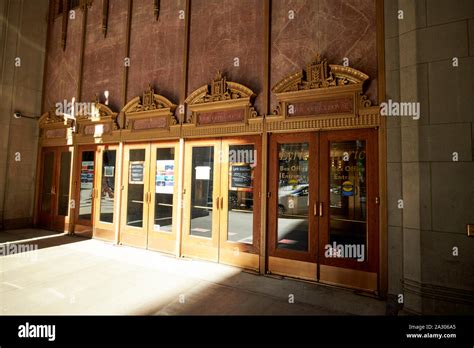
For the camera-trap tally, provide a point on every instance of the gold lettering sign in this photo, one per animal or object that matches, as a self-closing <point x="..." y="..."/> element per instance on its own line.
<point x="231" y="116"/>
<point x="322" y="107"/>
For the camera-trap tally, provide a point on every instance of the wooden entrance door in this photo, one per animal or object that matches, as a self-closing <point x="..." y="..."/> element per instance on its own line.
<point x="222" y="201"/>
<point x="54" y="187"/>
<point x="293" y="187"/>
<point x="349" y="214"/>
<point x="323" y="210"/>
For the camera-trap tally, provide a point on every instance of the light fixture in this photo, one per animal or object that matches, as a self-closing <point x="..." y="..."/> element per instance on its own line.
<point x="18" y="114"/>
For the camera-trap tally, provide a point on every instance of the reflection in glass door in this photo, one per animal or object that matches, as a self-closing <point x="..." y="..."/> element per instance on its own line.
<point x="86" y="189"/>
<point x="46" y="189"/>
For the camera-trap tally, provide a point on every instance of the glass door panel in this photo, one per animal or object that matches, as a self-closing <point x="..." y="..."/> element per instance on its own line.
<point x="240" y="192"/>
<point x="86" y="186"/>
<point x="293" y="196"/>
<point x="107" y="186"/>
<point x="202" y="189"/>
<point x="64" y="183"/>
<point x="47" y="182"/>
<point x="348" y="195"/>
<point x="162" y="216"/>
<point x="164" y="186"/>
<point x="349" y="189"/>
<point x="200" y="237"/>
<point x="136" y="188"/>
<point x="136" y="195"/>
<point x="239" y="207"/>
<point x="292" y="210"/>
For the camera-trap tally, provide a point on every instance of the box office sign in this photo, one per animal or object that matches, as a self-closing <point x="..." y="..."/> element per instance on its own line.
<point x="218" y="117"/>
<point x="136" y="172"/>
<point x="322" y="107"/>
<point x="240" y="176"/>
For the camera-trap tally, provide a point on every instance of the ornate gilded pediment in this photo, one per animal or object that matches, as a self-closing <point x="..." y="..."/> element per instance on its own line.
<point x="221" y="96"/>
<point x="96" y="112"/>
<point x="219" y="90"/>
<point x="320" y="74"/>
<point x="321" y="89"/>
<point x="52" y="118"/>
<point x="149" y="111"/>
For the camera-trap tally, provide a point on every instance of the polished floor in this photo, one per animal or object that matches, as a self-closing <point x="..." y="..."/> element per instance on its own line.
<point x="63" y="274"/>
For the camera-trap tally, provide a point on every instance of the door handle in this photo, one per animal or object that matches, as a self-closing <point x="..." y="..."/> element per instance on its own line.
<point x="320" y="209"/>
<point x="222" y="202"/>
<point x="53" y="190"/>
<point x="315" y="209"/>
<point x="217" y="203"/>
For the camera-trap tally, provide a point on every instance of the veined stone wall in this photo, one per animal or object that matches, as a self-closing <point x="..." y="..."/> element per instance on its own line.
<point x="430" y="60"/>
<point x="23" y="27"/>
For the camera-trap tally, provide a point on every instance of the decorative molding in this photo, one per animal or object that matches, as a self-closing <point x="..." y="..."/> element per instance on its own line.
<point x="99" y="123"/>
<point x="149" y="112"/>
<point x="317" y="91"/>
<point x="368" y="118"/>
<point x="156" y="8"/>
<point x="105" y="16"/>
<point x="319" y="74"/>
<point x="217" y="98"/>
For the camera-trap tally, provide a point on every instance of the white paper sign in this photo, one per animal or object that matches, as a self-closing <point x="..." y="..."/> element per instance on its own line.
<point x="203" y="173"/>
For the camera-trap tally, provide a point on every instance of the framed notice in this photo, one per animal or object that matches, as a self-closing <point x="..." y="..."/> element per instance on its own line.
<point x="109" y="171"/>
<point x="241" y="177"/>
<point x="164" y="179"/>
<point x="136" y="172"/>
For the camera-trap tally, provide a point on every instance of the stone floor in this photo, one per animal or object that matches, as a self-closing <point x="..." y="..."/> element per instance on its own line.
<point x="72" y="275"/>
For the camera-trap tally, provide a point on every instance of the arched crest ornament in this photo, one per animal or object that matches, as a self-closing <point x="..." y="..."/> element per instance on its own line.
<point x="150" y="115"/>
<point x="323" y="95"/>
<point x="55" y="129"/>
<point x="96" y="122"/>
<point x="224" y="106"/>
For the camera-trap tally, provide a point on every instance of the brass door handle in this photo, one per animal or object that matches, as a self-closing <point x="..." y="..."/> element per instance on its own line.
<point x="320" y="209"/>
<point x="315" y="210"/>
<point x="217" y="203"/>
<point x="222" y="202"/>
